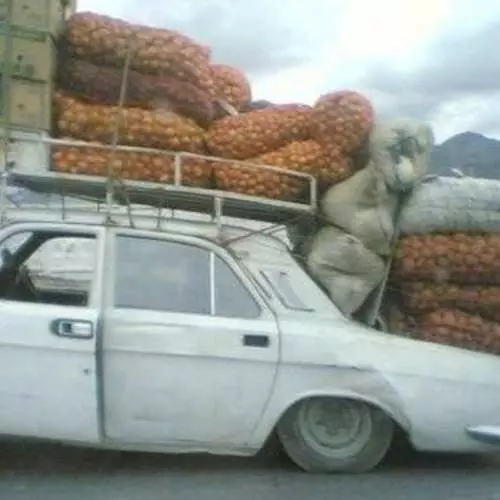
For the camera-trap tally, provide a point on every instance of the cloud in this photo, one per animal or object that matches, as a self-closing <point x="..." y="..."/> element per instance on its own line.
<point x="456" y="66"/>
<point x="268" y="37"/>
<point x="259" y="36"/>
<point x="475" y="113"/>
<point x="457" y="81"/>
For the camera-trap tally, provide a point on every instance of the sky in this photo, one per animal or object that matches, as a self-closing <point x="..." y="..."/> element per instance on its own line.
<point x="435" y="60"/>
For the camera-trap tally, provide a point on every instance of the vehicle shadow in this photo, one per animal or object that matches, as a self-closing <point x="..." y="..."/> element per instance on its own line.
<point x="46" y="458"/>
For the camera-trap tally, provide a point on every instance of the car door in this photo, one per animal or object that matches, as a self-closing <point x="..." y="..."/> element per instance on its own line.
<point x="48" y="320"/>
<point x="190" y="351"/>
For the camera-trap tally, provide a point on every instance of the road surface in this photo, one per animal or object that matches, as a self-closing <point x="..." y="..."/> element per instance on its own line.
<point x="47" y="472"/>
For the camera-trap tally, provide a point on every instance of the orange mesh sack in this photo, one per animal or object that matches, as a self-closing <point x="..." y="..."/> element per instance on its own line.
<point x="270" y="184"/>
<point x="129" y="165"/>
<point x="231" y="85"/>
<point x="459" y="329"/>
<point x="335" y="167"/>
<point x="158" y="51"/>
<point x="302" y="156"/>
<point x="258" y="132"/>
<point x="460" y="258"/>
<point x="102" y="85"/>
<point x="342" y="120"/>
<point x="422" y="296"/>
<point x="138" y="127"/>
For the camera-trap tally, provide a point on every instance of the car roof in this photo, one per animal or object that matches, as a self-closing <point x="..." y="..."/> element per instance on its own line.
<point x="242" y="236"/>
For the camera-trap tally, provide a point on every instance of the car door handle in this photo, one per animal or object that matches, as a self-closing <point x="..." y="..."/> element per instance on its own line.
<point x="70" y="328"/>
<point x="256" y="340"/>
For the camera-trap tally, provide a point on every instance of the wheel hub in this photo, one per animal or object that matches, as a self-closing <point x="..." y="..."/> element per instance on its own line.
<point x="335" y="427"/>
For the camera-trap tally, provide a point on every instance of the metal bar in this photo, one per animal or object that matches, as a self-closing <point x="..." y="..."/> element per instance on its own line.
<point x="212" y="283"/>
<point x="314" y="192"/>
<point x="158" y="219"/>
<point x="177" y="170"/>
<point x="63" y="206"/>
<point x="6" y="109"/>
<point x="127" y="200"/>
<point x="218" y="205"/>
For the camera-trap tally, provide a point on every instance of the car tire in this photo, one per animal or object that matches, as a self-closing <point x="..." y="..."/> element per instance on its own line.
<point x="335" y="435"/>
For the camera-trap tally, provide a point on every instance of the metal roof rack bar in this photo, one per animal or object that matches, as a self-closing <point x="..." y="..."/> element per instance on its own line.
<point x="173" y="195"/>
<point x="174" y="154"/>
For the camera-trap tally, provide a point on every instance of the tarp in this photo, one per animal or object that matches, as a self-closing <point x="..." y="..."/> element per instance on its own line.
<point x="448" y="204"/>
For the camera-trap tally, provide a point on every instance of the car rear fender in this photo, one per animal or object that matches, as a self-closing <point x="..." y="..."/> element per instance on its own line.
<point x="365" y="385"/>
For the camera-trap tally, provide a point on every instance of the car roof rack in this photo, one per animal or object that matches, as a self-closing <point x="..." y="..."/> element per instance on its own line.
<point x="175" y="195"/>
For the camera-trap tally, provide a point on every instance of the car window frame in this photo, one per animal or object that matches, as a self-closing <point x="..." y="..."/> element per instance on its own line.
<point x="271" y="276"/>
<point x="33" y="272"/>
<point x="237" y="273"/>
<point x="98" y="233"/>
<point x="199" y="242"/>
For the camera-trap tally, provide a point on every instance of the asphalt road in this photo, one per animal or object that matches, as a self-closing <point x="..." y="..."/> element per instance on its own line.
<point x="47" y="472"/>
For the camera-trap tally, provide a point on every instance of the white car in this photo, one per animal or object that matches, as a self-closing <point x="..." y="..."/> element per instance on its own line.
<point x="190" y="337"/>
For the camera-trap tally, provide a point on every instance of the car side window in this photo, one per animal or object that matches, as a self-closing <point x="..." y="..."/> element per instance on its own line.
<point x="47" y="268"/>
<point x="161" y="275"/>
<point x="177" y="277"/>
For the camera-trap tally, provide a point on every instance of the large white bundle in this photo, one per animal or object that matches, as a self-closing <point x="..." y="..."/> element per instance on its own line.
<point x="346" y="255"/>
<point x="449" y="204"/>
<point x="365" y="205"/>
<point x="400" y="150"/>
<point x="345" y="267"/>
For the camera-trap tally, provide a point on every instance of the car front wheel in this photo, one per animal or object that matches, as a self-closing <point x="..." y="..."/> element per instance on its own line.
<point x="335" y="435"/>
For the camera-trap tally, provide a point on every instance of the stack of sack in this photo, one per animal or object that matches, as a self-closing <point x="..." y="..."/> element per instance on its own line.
<point x="324" y="141"/>
<point x="349" y="252"/>
<point x="446" y="274"/>
<point x="171" y="95"/>
<point x="176" y="99"/>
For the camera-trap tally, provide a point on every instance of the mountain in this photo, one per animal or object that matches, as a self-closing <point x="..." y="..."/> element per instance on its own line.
<point x="472" y="153"/>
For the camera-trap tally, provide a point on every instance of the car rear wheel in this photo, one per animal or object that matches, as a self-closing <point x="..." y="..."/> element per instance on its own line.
<point x="335" y="435"/>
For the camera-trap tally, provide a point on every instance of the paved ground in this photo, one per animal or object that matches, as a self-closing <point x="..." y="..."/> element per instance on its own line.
<point x="45" y="472"/>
